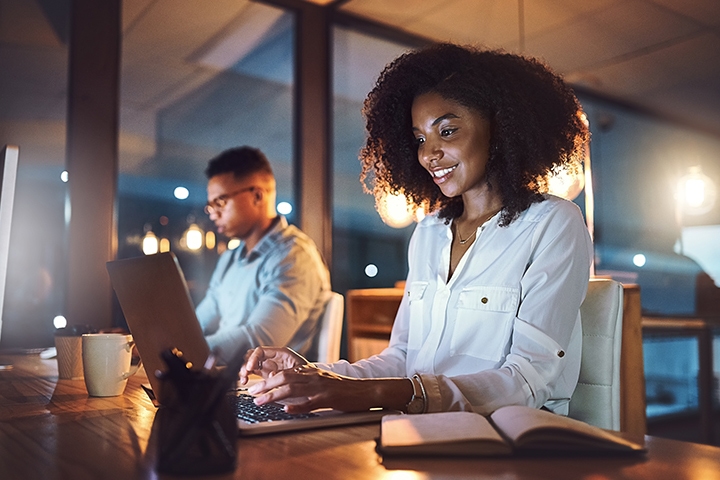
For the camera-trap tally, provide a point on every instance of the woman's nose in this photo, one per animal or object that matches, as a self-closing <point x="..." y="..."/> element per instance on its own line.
<point x="430" y="154"/>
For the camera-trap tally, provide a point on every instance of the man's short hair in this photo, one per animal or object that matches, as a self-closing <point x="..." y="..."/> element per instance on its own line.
<point x="240" y="161"/>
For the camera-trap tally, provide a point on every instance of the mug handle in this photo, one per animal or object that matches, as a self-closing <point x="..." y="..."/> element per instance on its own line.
<point x="133" y="368"/>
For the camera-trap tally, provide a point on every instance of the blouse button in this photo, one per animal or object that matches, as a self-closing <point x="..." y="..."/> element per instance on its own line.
<point x="560" y="353"/>
<point x="484" y="300"/>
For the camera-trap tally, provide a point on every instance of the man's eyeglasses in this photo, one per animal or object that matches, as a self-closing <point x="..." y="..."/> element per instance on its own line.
<point x="217" y="204"/>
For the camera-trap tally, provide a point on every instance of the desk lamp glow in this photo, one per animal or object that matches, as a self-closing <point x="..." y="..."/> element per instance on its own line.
<point x="695" y="195"/>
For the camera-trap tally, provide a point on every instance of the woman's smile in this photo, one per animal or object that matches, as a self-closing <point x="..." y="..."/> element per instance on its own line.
<point x="441" y="175"/>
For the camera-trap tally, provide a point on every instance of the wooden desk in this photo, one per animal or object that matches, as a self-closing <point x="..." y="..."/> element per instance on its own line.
<point x="52" y="429"/>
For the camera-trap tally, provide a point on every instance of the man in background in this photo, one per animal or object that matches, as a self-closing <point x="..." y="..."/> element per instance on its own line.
<point x="272" y="289"/>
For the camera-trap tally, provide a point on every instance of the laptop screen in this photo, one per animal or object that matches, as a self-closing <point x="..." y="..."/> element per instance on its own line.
<point x="155" y="300"/>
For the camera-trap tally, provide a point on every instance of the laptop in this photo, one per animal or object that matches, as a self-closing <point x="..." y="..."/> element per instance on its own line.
<point x="155" y="300"/>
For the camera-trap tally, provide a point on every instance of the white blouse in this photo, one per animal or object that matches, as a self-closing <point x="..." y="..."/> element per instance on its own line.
<point x="505" y="330"/>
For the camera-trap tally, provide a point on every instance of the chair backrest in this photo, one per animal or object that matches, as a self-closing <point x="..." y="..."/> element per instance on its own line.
<point x="596" y="399"/>
<point x="331" y="329"/>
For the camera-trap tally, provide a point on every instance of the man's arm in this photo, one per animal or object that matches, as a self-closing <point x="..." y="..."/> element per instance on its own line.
<point x="290" y="285"/>
<point x="208" y="310"/>
<point x="208" y="314"/>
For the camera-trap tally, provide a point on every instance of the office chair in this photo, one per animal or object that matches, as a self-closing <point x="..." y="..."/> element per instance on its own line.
<point x="331" y="329"/>
<point x="596" y="399"/>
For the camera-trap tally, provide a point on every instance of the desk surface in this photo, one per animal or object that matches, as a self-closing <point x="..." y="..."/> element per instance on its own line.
<point x="52" y="429"/>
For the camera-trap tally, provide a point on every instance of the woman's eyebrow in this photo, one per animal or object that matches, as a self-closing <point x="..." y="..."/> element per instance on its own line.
<point x="439" y="119"/>
<point x="444" y="117"/>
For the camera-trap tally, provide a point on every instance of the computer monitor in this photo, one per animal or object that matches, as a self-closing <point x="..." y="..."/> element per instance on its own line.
<point x="8" y="176"/>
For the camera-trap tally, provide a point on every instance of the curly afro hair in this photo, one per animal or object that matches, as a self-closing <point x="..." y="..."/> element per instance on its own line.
<point x="535" y="118"/>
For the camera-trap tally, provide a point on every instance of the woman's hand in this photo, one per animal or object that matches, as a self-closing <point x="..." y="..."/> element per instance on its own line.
<point x="305" y="387"/>
<point x="267" y="361"/>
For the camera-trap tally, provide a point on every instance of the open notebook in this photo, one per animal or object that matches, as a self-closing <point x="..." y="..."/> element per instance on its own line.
<point x="156" y="302"/>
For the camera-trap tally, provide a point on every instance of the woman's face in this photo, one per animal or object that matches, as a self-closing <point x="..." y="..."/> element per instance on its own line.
<point x="453" y="143"/>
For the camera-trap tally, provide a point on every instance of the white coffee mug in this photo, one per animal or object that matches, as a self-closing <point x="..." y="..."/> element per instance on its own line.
<point x="107" y="361"/>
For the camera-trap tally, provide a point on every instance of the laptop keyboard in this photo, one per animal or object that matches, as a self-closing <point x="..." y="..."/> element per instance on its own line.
<point x="246" y="410"/>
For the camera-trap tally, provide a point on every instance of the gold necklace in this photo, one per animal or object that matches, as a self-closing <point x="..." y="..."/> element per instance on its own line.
<point x="460" y="240"/>
<point x="474" y="232"/>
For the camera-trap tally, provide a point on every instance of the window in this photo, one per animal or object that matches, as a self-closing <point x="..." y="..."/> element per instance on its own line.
<point x="637" y="162"/>
<point x="366" y="252"/>
<point x="196" y="81"/>
<point x="33" y="108"/>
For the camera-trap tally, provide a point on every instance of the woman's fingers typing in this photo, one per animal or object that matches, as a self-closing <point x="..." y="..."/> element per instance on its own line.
<point x="254" y="363"/>
<point x="306" y="387"/>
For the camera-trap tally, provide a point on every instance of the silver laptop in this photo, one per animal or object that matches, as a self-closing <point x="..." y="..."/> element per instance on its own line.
<point x="155" y="300"/>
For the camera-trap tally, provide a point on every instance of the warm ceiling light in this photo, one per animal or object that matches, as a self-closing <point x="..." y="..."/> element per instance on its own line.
<point x="150" y="243"/>
<point x="696" y="192"/>
<point x="210" y="240"/>
<point x="194" y="237"/>
<point x="395" y="211"/>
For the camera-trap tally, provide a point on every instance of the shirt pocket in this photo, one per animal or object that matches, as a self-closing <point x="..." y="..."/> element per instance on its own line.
<point x="416" y="301"/>
<point x="484" y="320"/>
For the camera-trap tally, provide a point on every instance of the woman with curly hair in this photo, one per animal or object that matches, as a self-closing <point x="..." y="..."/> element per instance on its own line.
<point x="497" y="271"/>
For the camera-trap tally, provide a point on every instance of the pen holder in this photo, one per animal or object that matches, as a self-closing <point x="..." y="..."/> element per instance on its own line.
<point x="197" y="430"/>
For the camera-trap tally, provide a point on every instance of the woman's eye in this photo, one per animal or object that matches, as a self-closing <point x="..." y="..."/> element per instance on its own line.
<point x="419" y="141"/>
<point x="445" y="132"/>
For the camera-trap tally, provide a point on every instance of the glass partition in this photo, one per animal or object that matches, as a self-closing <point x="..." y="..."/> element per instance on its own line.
<point x="366" y="252"/>
<point x="196" y="81"/>
<point x="33" y="86"/>
<point x="645" y="231"/>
